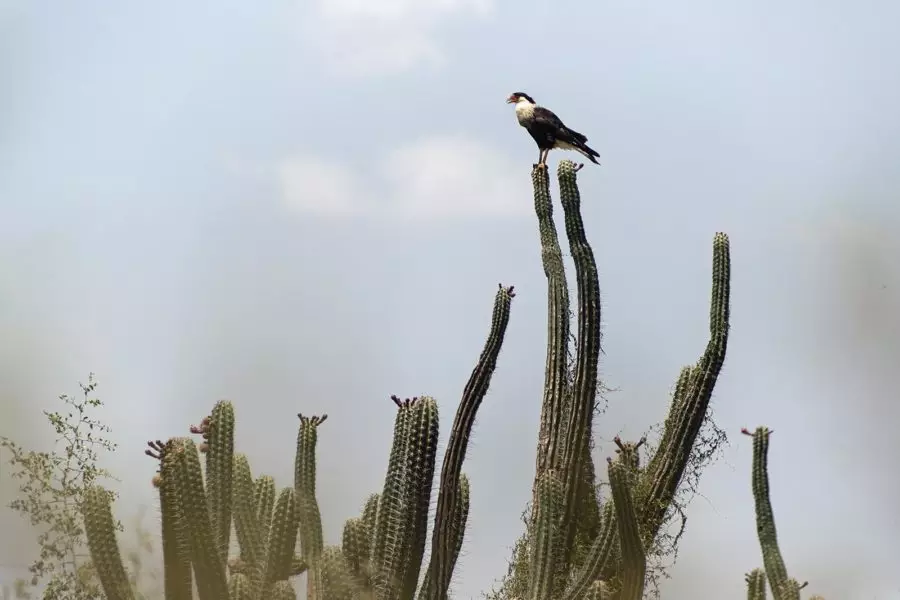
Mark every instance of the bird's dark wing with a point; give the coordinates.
(548, 119)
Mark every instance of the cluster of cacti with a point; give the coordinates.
(575, 545)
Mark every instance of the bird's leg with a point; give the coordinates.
(542, 159)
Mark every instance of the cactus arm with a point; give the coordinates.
(370, 512)
(550, 436)
(667, 466)
(598, 558)
(460, 519)
(545, 537)
(282, 538)
(408, 490)
(336, 580)
(264, 499)
(219, 470)
(442, 549)
(100, 530)
(421, 458)
(175, 536)
(310, 518)
(356, 548)
(783, 587)
(391, 520)
(209, 568)
(756, 584)
(246, 521)
(634, 560)
(584, 390)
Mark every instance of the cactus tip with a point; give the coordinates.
(765, 430)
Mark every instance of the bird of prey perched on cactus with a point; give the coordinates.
(548, 130)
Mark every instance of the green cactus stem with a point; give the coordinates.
(443, 540)
(599, 557)
(664, 472)
(756, 584)
(100, 530)
(249, 532)
(458, 530)
(219, 468)
(337, 581)
(634, 561)
(421, 457)
(783, 587)
(310, 517)
(545, 537)
(282, 538)
(209, 568)
(584, 390)
(264, 492)
(356, 547)
(553, 406)
(391, 521)
(401, 527)
(175, 536)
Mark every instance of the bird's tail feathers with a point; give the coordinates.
(589, 153)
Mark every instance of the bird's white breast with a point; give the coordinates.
(524, 111)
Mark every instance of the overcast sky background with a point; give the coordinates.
(307, 206)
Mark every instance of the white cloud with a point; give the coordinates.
(435, 178)
(308, 184)
(363, 37)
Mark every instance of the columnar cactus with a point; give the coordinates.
(575, 546)
(783, 587)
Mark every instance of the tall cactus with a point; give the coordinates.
(783, 587)
(443, 550)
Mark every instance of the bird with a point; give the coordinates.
(548, 130)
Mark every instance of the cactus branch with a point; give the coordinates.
(634, 561)
(783, 587)
(689, 406)
(443, 545)
(584, 393)
(550, 436)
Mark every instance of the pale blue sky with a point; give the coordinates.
(307, 206)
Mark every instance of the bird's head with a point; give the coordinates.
(517, 97)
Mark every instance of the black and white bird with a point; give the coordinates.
(548, 130)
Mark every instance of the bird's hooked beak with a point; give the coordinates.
(512, 99)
